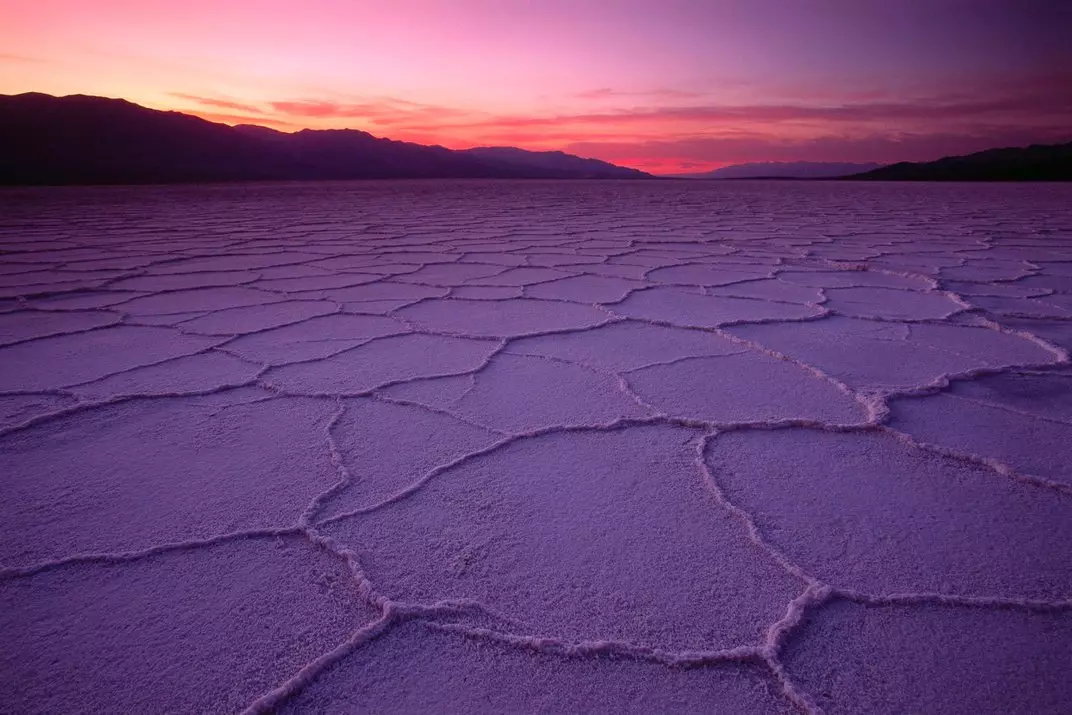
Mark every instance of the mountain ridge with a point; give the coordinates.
(1036, 162)
(82, 139)
(783, 170)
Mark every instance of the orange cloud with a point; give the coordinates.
(225, 118)
(19, 58)
(220, 103)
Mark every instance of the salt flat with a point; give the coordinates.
(755, 447)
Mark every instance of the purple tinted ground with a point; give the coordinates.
(536, 447)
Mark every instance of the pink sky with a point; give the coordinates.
(663, 86)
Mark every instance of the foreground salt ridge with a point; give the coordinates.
(537, 325)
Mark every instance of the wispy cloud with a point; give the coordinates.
(21, 58)
(259, 120)
(218, 103)
(385, 112)
(1047, 100)
(700, 153)
(668, 130)
(381, 111)
(664, 94)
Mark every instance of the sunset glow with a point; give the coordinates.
(661, 86)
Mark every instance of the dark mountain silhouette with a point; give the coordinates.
(79, 139)
(93, 140)
(554, 161)
(1038, 162)
(783, 170)
(353, 154)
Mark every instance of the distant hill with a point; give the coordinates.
(1038, 162)
(552, 161)
(783, 170)
(80, 139)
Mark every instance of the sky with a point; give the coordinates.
(666, 86)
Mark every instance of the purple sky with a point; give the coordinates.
(664, 86)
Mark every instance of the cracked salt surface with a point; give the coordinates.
(536, 447)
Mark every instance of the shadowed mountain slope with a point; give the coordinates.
(783, 170)
(555, 161)
(1038, 162)
(94, 140)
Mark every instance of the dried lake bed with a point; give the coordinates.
(636, 446)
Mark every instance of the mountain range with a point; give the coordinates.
(80, 139)
(1038, 162)
(783, 170)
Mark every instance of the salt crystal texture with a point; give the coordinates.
(479, 447)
